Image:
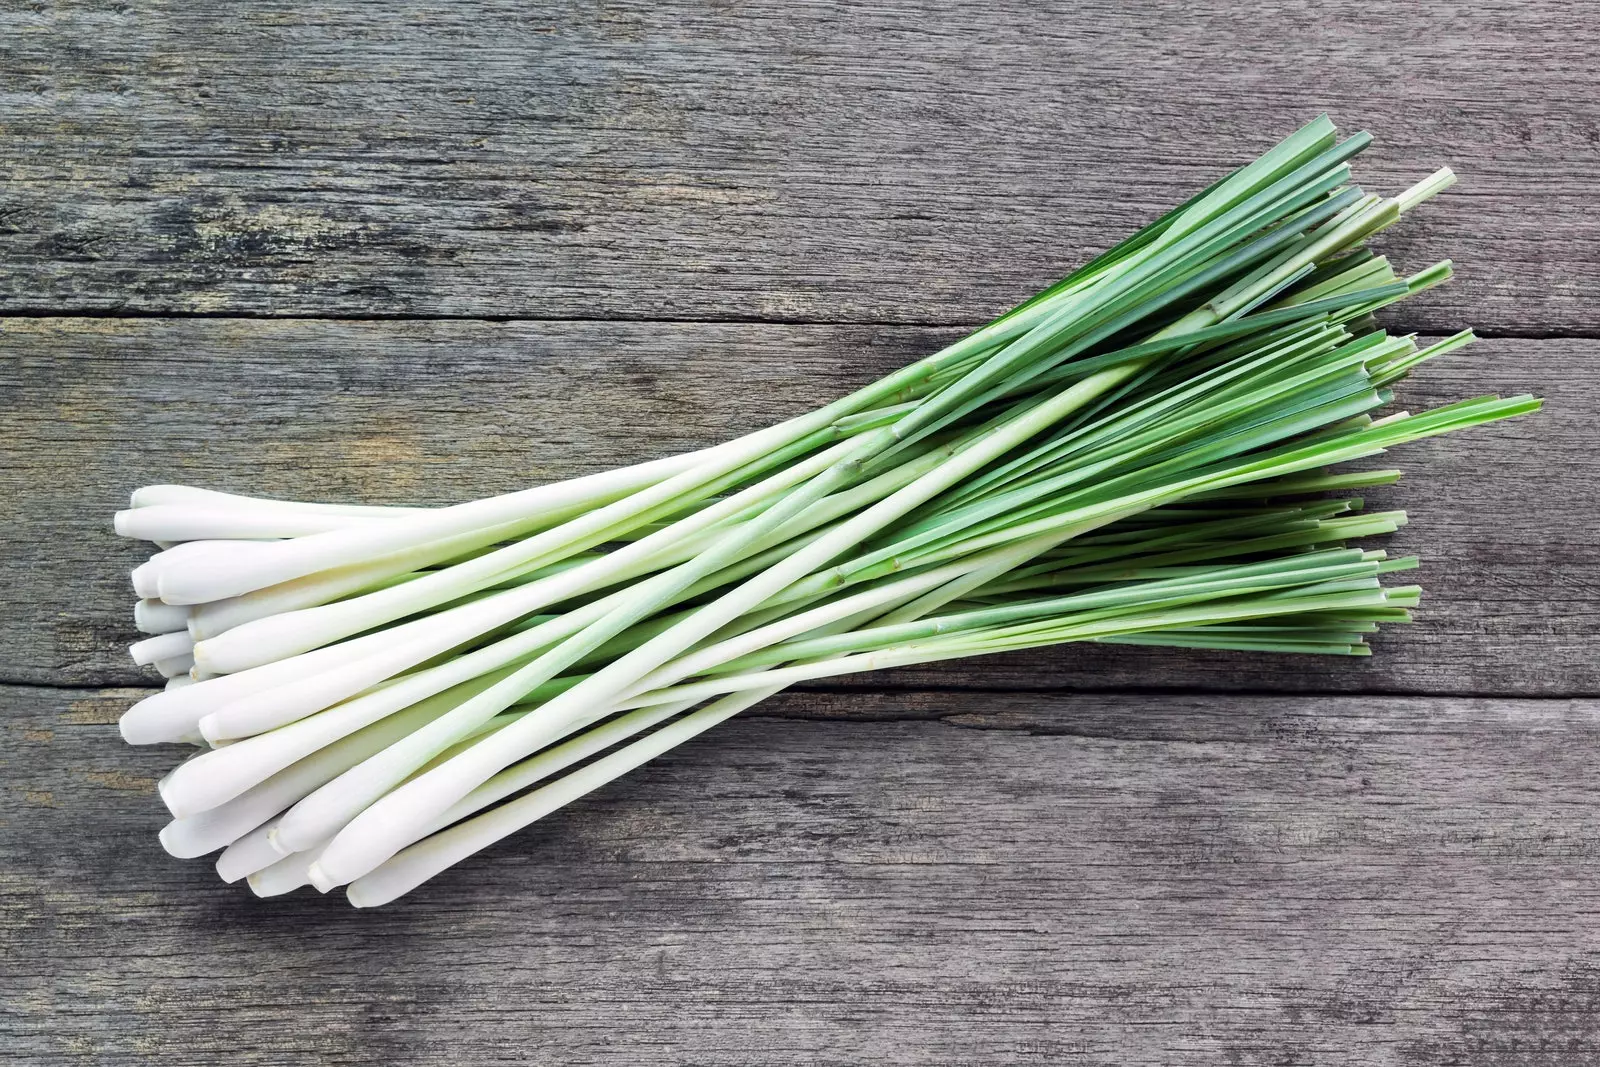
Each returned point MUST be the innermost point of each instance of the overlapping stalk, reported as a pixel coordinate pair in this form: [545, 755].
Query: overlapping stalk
[1132, 456]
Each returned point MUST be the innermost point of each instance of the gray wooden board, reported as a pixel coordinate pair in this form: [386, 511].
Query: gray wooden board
[439, 412]
[1103, 856]
[919, 878]
[884, 162]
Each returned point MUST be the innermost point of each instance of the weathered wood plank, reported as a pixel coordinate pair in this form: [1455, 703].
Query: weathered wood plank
[438, 412]
[1015, 879]
[881, 161]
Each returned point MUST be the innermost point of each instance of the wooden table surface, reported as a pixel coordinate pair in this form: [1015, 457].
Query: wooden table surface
[414, 252]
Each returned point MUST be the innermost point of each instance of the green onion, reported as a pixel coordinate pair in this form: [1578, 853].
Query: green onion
[1129, 457]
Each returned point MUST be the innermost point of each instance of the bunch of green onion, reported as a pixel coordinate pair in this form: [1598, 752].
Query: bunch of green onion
[1138, 454]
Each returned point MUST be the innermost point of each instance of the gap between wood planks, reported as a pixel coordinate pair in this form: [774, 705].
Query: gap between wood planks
[1153, 692]
[1514, 334]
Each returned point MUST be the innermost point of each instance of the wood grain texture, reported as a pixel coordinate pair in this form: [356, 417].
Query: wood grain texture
[970, 879]
[439, 412]
[884, 161]
[1106, 856]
